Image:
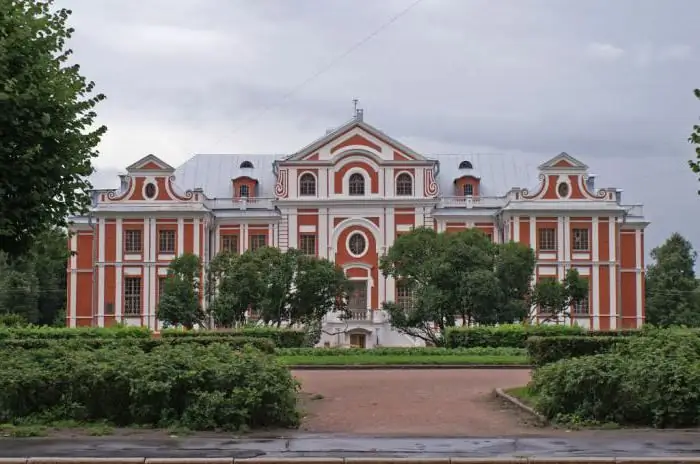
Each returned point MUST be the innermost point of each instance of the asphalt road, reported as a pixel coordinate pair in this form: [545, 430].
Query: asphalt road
[652, 444]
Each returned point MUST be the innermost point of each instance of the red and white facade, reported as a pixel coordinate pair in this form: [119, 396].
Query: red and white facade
[347, 197]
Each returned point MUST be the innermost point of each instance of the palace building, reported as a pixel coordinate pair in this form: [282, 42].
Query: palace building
[346, 197]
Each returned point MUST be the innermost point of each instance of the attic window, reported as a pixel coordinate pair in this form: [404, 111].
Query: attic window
[246, 165]
[465, 165]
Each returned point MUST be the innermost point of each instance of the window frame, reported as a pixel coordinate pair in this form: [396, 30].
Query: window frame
[127, 236]
[404, 185]
[309, 184]
[165, 237]
[232, 239]
[541, 239]
[356, 184]
[254, 245]
[133, 303]
[304, 247]
[576, 245]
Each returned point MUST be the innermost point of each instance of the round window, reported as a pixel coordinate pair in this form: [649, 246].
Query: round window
[150, 190]
[357, 244]
[563, 189]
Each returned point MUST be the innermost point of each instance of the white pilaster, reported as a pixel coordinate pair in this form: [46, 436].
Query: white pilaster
[293, 230]
[533, 233]
[270, 235]
[516, 229]
[101, 274]
[638, 272]
[244, 237]
[566, 236]
[418, 220]
[560, 244]
[389, 229]
[322, 232]
[180, 236]
[419, 186]
[72, 321]
[217, 240]
[322, 187]
[612, 229]
[152, 295]
[595, 274]
[196, 246]
[293, 187]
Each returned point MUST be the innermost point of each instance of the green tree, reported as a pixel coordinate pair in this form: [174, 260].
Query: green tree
[555, 298]
[695, 140]
[671, 286]
[47, 132]
[456, 277]
[180, 302]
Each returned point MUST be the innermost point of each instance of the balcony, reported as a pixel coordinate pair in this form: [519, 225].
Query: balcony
[471, 202]
[360, 315]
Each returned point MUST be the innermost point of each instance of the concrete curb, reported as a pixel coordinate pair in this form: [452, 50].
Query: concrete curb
[281, 460]
[369, 367]
[513, 400]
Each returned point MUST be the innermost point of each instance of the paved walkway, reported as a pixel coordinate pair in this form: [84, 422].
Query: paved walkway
[615, 444]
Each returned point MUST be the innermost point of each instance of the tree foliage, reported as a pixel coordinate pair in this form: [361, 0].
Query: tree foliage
[180, 302]
[556, 298]
[47, 133]
[457, 277]
[671, 286]
[695, 140]
[278, 286]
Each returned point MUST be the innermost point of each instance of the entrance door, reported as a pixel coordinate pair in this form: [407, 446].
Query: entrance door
[358, 340]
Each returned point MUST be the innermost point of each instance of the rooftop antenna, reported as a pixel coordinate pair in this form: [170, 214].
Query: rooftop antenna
[355, 102]
[358, 111]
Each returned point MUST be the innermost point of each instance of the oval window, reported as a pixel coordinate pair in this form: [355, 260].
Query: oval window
[563, 189]
[357, 244]
[150, 190]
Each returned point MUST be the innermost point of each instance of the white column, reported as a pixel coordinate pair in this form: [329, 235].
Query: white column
[293, 229]
[149, 250]
[72, 322]
[180, 236]
[419, 186]
[612, 229]
[533, 234]
[293, 179]
[270, 235]
[516, 229]
[323, 222]
[561, 238]
[217, 239]
[595, 274]
[322, 179]
[196, 248]
[101, 273]
[638, 272]
[418, 220]
[244, 237]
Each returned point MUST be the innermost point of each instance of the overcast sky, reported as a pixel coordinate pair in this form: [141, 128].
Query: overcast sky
[609, 82]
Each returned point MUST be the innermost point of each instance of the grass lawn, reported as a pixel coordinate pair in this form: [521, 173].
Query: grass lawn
[389, 360]
[523, 394]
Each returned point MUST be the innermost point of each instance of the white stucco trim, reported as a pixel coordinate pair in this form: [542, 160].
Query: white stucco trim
[395, 184]
[366, 223]
[365, 176]
[316, 189]
[149, 180]
[347, 243]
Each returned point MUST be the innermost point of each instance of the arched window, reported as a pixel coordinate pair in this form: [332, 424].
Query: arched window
[356, 184]
[243, 191]
[404, 184]
[468, 190]
[246, 165]
[465, 165]
[307, 185]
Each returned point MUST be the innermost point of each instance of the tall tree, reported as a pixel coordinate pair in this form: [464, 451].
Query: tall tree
[671, 286]
[695, 140]
[456, 277]
[47, 133]
[180, 302]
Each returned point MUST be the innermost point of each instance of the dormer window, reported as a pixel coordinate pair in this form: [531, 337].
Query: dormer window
[404, 185]
[307, 185]
[246, 165]
[468, 190]
[465, 165]
[244, 191]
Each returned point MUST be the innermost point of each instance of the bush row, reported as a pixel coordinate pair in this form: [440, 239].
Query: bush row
[646, 381]
[282, 338]
[413, 351]
[516, 335]
[60, 333]
[198, 387]
[546, 350]
[142, 344]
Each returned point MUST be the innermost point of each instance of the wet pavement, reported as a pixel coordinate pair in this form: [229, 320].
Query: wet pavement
[605, 444]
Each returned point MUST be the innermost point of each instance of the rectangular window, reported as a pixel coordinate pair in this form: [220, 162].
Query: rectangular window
[307, 244]
[547, 239]
[132, 296]
[582, 308]
[404, 296]
[132, 241]
[161, 287]
[580, 239]
[258, 241]
[229, 243]
[166, 241]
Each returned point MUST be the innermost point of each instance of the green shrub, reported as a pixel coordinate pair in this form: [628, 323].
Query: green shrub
[142, 344]
[387, 351]
[60, 333]
[282, 338]
[646, 381]
[510, 335]
[187, 385]
[545, 350]
[12, 320]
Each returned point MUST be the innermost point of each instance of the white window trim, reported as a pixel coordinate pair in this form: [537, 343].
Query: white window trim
[302, 174]
[413, 184]
[146, 181]
[346, 182]
[347, 243]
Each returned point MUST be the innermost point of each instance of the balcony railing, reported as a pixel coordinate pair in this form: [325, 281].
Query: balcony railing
[471, 202]
[359, 315]
[241, 203]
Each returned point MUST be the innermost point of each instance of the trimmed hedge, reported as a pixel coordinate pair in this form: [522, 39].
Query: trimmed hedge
[145, 345]
[546, 350]
[646, 381]
[198, 387]
[387, 351]
[282, 338]
[59, 333]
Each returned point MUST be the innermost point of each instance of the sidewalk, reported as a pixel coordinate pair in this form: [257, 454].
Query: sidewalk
[637, 444]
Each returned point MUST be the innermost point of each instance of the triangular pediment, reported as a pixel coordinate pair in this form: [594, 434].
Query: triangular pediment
[563, 161]
[357, 133]
[150, 163]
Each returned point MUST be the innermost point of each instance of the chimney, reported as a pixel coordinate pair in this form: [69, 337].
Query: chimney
[359, 115]
[590, 183]
[124, 182]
